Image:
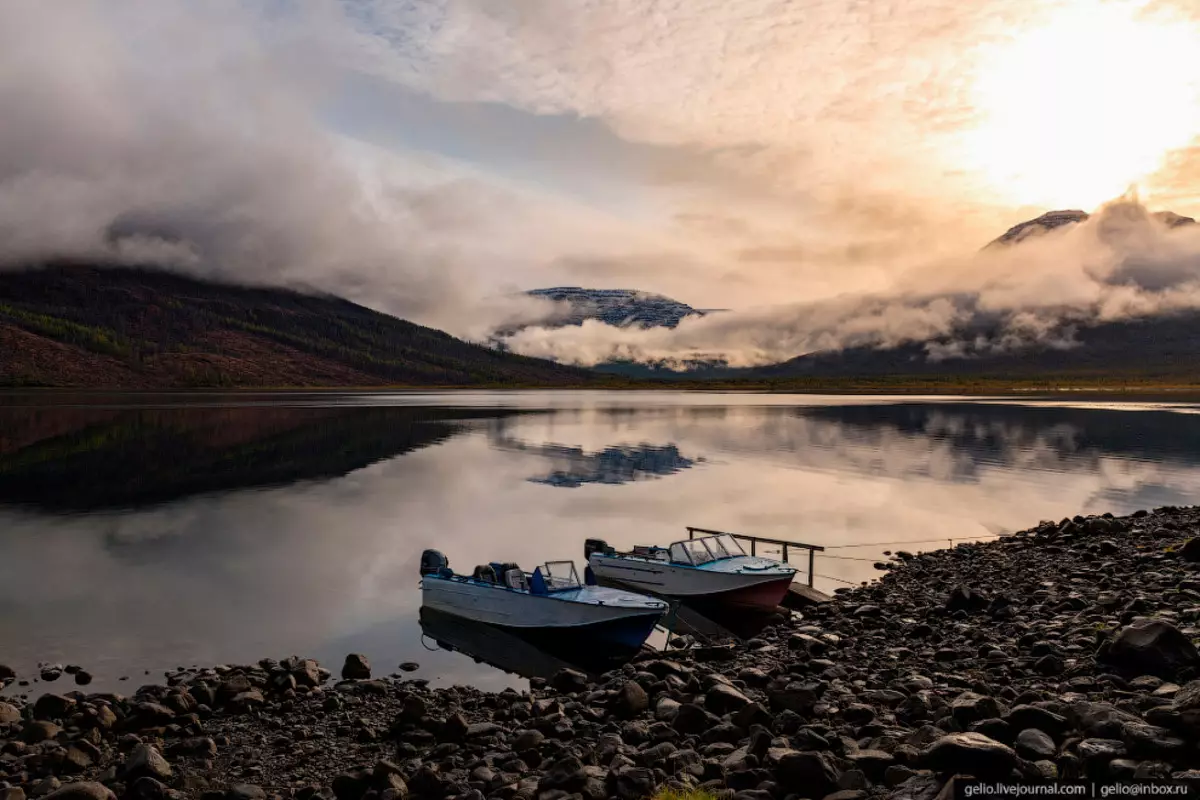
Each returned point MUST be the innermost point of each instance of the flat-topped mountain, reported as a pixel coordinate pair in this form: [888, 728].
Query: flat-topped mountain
[618, 307]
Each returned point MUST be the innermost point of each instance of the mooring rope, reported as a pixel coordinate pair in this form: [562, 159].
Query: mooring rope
[916, 541]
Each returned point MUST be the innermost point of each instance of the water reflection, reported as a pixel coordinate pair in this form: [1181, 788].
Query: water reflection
[226, 529]
[529, 653]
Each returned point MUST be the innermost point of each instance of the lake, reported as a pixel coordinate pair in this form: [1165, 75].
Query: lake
[148, 532]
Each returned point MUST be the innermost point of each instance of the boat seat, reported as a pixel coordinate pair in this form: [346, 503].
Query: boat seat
[484, 573]
[515, 579]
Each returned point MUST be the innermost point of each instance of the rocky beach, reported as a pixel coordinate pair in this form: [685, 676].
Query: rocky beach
[1061, 651]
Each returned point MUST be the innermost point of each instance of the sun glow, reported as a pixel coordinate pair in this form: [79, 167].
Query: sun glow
[1074, 112]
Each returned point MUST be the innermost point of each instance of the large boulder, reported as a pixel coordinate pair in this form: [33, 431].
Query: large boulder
[570, 680]
[964, 598]
[632, 783]
[567, 774]
[9, 714]
[356, 668]
[971, 753]
[631, 700]
[723, 698]
[1187, 705]
[145, 761]
[53, 706]
[810, 774]
[82, 790]
[1149, 647]
[691, 718]
[1190, 550]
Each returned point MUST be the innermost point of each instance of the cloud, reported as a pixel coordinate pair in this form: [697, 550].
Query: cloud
[429, 159]
[192, 136]
[1121, 263]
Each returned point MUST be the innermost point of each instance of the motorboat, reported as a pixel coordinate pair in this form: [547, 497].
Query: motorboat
[712, 569]
[549, 597]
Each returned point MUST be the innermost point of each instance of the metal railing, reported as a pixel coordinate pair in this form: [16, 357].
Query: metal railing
[812, 549]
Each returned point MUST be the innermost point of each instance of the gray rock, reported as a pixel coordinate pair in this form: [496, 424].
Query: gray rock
[632, 783]
[307, 673]
[39, 731]
[918, 787]
[145, 761]
[1101, 750]
[82, 790]
[722, 699]
[693, 719]
[53, 706]
[1151, 741]
[570, 680]
[970, 707]
[147, 788]
[631, 700]
[567, 774]
[1186, 704]
[245, 791]
[1150, 647]
[356, 667]
[9, 714]
[527, 740]
[665, 709]
[972, 753]
[810, 773]
[1033, 744]
[1190, 551]
[1027, 716]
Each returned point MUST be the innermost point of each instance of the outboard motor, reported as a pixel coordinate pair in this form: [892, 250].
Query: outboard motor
[596, 546]
[433, 562]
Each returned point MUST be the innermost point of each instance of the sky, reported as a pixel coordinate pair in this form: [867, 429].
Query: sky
[827, 169]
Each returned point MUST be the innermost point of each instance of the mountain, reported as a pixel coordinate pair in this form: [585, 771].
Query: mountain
[1058, 219]
[98, 326]
[1156, 347]
[618, 307]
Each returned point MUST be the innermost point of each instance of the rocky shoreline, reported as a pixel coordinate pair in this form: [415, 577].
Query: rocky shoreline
[1062, 651]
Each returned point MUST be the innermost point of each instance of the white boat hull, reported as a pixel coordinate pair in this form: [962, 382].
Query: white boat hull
[765, 590]
[615, 617]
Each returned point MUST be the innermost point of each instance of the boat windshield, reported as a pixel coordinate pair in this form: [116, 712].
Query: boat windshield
[702, 551]
[561, 575]
[716, 547]
[730, 545]
[697, 552]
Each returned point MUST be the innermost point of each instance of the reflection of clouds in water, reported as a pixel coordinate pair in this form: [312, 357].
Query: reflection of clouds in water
[322, 568]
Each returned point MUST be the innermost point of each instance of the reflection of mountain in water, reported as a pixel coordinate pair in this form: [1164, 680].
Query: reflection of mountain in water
[1011, 434]
[532, 653]
[87, 459]
[573, 466]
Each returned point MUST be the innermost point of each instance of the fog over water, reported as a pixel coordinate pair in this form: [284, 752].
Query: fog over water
[223, 530]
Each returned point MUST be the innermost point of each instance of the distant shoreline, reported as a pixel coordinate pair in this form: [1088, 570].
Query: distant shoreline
[984, 389]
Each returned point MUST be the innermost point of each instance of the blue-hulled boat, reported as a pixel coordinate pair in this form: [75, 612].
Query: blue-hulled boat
[549, 597]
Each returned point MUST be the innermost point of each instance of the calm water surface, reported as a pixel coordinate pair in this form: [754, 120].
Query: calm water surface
[147, 533]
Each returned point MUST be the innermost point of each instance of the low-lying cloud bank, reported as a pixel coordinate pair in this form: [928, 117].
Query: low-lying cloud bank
[189, 136]
[1122, 263]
